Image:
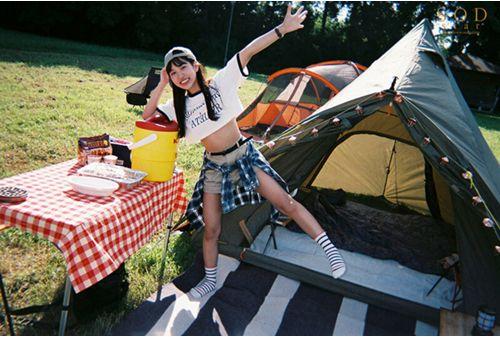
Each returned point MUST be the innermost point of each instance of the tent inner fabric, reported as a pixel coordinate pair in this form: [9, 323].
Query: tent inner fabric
[377, 166]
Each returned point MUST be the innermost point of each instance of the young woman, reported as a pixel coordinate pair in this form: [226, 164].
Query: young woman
[233, 172]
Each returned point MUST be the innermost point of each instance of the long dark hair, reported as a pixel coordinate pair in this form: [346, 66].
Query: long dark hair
[180, 94]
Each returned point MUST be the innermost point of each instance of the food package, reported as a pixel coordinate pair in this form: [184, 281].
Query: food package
[121, 150]
[97, 145]
[127, 178]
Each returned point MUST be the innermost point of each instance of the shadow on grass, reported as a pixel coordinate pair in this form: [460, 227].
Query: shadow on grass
[104, 318]
[41, 51]
[182, 252]
[488, 122]
[117, 66]
[137, 110]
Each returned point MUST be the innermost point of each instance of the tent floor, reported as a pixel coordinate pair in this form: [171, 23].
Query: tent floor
[253, 301]
[386, 276]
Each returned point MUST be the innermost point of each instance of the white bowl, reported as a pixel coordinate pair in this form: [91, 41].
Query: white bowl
[93, 186]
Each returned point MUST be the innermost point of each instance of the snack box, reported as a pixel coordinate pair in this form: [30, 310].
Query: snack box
[127, 178]
[121, 150]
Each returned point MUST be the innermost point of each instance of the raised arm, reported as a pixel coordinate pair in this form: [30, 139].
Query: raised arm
[155, 95]
[291, 23]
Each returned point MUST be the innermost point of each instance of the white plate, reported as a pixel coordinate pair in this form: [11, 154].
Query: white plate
[93, 186]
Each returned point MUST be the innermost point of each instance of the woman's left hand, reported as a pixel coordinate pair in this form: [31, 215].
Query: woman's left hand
[293, 22]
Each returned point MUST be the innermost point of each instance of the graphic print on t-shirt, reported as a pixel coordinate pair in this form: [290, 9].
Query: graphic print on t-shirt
[197, 115]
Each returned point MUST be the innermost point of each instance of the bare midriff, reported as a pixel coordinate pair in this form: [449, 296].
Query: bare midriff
[223, 138]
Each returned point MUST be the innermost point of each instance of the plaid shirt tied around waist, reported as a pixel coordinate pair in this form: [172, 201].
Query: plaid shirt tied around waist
[233, 196]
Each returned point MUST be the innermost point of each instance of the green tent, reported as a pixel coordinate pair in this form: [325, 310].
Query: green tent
[401, 132]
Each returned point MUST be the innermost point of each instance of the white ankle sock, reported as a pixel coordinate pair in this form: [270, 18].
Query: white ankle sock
[206, 285]
[336, 262]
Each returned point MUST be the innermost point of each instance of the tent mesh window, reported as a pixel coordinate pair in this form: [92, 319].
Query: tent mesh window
[287, 100]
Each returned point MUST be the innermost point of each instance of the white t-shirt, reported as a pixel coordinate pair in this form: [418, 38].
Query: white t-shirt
[227, 104]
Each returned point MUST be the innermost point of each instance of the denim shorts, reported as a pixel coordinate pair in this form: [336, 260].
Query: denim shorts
[213, 178]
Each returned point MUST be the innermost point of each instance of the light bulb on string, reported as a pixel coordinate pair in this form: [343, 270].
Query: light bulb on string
[359, 110]
[314, 132]
[412, 122]
[467, 175]
[398, 98]
[426, 141]
[336, 121]
[476, 200]
[292, 140]
[487, 222]
[444, 160]
[270, 144]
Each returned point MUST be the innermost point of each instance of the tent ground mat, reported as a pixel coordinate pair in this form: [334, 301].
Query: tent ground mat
[421, 312]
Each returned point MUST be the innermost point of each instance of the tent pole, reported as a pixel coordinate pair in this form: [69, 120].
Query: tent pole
[388, 170]
[264, 136]
[229, 30]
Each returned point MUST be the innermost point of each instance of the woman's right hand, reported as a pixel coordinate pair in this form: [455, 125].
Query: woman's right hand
[164, 79]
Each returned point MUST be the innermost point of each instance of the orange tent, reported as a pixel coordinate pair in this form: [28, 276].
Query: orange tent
[292, 94]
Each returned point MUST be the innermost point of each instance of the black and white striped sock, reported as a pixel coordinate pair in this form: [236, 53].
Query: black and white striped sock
[207, 284]
[336, 262]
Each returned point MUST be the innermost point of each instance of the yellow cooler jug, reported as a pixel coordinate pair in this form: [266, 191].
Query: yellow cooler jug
[156, 148]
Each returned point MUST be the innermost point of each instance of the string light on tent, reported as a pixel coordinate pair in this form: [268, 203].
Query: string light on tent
[314, 132]
[476, 200]
[497, 248]
[336, 121]
[412, 122]
[398, 99]
[467, 175]
[359, 110]
[487, 222]
[380, 95]
[426, 141]
[270, 144]
[444, 160]
[292, 140]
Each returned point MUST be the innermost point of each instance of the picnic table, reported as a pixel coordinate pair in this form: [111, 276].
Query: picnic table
[94, 234]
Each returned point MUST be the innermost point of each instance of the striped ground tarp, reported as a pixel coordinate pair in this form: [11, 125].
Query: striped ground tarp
[253, 301]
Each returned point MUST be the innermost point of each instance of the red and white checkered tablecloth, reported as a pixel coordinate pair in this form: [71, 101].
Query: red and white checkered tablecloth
[95, 234]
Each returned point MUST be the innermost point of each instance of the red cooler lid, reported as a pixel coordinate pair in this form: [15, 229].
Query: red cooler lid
[157, 123]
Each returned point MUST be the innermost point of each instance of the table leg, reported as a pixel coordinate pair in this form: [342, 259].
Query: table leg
[65, 307]
[164, 256]
[8, 318]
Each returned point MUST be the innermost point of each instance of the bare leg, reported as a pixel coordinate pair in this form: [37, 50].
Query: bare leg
[212, 218]
[212, 213]
[284, 202]
[280, 199]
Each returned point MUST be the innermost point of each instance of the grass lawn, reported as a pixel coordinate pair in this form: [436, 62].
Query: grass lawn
[52, 92]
